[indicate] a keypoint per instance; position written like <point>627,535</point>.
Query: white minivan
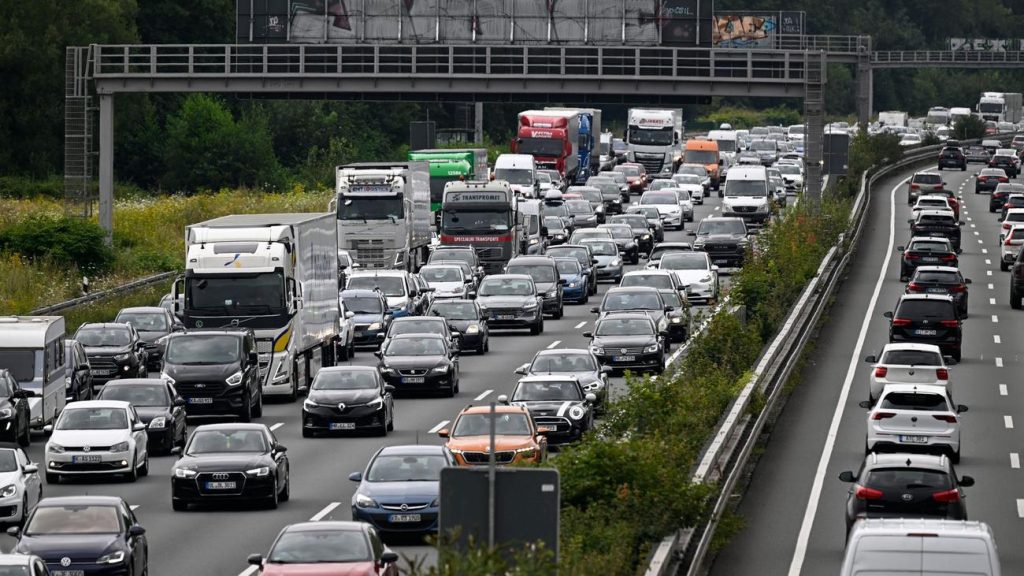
<point>747,195</point>
<point>520,172</point>
<point>920,547</point>
<point>32,348</point>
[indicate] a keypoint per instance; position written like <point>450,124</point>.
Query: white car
<point>446,280</point>
<point>346,332</point>
<point>1013,217</point>
<point>96,437</point>
<point>909,140</point>
<point>907,364</point>
<point>20,486</point>
<point>1012,242</point>
<point>1009,152</point>
<point>915,416</point>
<point>685,193</point>
<point>930,202</point>
<point>691,183</point>
<point>26,564</point>
<point>668,206</point>
<point>792,174</point>
<point>695,272</point>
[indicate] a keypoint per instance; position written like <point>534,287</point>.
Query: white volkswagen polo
<point>97,437</point>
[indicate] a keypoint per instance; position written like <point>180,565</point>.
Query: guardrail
<point>103,294</point>
<point>726,456</point>
<point>905,58</point>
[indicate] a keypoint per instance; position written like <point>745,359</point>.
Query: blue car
<point>371,316</point>
<point>576,288</point>
<point>400,490</point>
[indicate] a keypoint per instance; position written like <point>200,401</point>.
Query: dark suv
<point>215,371</point>
<point>937,223</point>
<point>1006,162</point>
<point>114,351</point>
<point>952,158</point>
<point>724,239</point>
<point>925,251</point>
<point>927,319</point>
<point>1001,193</point>
<point>545,277</point>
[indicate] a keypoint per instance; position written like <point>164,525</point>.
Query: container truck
<point>447,164</point>
<point>276,274</point>
<point>552,137</point>
<point>654,139</point>
<point>383,211</point>
<point>589,141</point>
<point>483,215</point>
<point>1000,106</point>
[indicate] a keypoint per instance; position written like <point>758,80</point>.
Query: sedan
<point>468,320</point>
<point>96,437</point>
<point>15,414</point>
<point>327,549</point>
<point>158,406</point>
<point>22,487</point>
<point>696,274</point>
<point>512,301</point>
<point>908,364</point>
<point>643,233</point>
<point>576,362</point>
<point>988,179</point>
<point>628,340</point>
<point>231,463</point>
<point>1002,193</point>
<point>585,258</point>
<point>608,262</point>
<point>446,280</point>
<point>346,398</point>
<point>420,325</point>
<point>152,323</point>
<point>912,418</point>
<point>400,490</point>
<point>653,217</point>
<point>420,362</point>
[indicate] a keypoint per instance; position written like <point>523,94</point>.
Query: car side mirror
<point>136,530</point>
<point>593,261</point>
<point>377,353</point>
<point>669,308</point>
<point>901,248</point>
<point>588,334</point>
<point>595,310</point>
<point>714,268</point>
<point>961,408</point>
<point>30,468</point>
<point>967,281</point>
<point>691,233</point>
<point>443,433</point>
<point>255,559</point>
<point>887,315</point>
<point>48,429</point>
<point>281,448</point>
<point>350,314</point>
<point>356,476</point>
<point>138,427</point>
<point>591,397</point>
<point>967,481</point>
<point>388,557</point>
<point>864,404</point>
<point>14,531</point>
<point>949,360</point>
<point>847,476</point>
<point>606,369</point>
<point>522,369</point>
<point>179,401</point>
<point>871,359</point>
<point>19,394</point>
<point>380,336</point>
<point>563,282</point>
<point>910,220</point>
<point>389,388</point>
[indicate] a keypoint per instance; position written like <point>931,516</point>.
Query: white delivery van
<point>32,348</point>
<point>920,547</point>
<point>519,171</point>
<point>747,194</point>
<point>728,143</point>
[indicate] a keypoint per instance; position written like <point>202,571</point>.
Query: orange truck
<point>705,153</point>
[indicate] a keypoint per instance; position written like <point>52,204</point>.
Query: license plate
<point>343,426</point>
<point>200,400</point>
<point>623,358</point>
<point>937,290</point>
<point>359,334</point>
<point>506,317</point>
<point>925,332</point>
<point>397,518</point>
<point>68,573</point>
<point>413,380</point>
<point>929,259</point>
<point>221,485</point>
<point>914,439</point>
<point>719,261</point>
<point>85,459</point>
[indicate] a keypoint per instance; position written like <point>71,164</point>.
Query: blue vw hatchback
<point>400,489</point>
<point>575,289</point>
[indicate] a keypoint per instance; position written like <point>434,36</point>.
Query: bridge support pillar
<point>814,124</point>
<point>106,167</point>
<point>478,123</point>
<point>865,92</point>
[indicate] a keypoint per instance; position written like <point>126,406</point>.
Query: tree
<point>968,127</point>
<point>186,21</point>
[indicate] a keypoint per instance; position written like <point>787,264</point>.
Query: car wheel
<point>258,410</point>
<point>558,314</point>
<point>245,413</point>
<point>144,469</point>
<point>343,353</point>
<point>273,500</point>
<point>1003,266</point>
<point>52,478</point>
<point>133,475</point>
<point>391,420</point>
<point>294,381</point>
<point>286,492</point>
<point>307,433</point>
<point>178,505</point>
<point>954,457</point>
<point>867,449</point>
<point>1014,299</point>
<point>535,329</point>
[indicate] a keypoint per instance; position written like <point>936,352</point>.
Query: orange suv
<point>517,438</point>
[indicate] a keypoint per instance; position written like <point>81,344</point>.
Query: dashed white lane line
<point>1020,507</point>
<point>984,250</point>
<point>980,241</point>
<point>554,344</point>
<point>992,301</point>
<point>483,395</point>
<point>997,339</point>
<point>968,218</point>
<point>323,513</point>
<point>440,425</point>
<point>988,272</point>
<point>988,261</point>
<point>716,208</point>
<point>1008,421</point>
<point>1002,390</point>
<point>580,325</point>
<point>976,233</point>
<point>995,319</point>
<point>973,226</point>
<point>999,361</point>
<point>991,286</point>
<point>249,571</point>
<point>1014,460</point>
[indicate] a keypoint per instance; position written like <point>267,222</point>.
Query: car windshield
<point>914,401</point>
<point>628,170</point>
<point>659,252</point>
<point>579,207</point>
<point>763,145</point>
<point>699,171</point>
<point>98,337</point>
<point>568,252</point>
<point>411,468</point>
<point>320,547</point>
<point>659,198</point>
<point>591,195</point>
<point>361,208</point>
<point>216,441</point>
<point>558,363</point>
<point>660,281</point>
<point>1014,217</point>
<point>559,210</point>
<point>467,256</point>
<point>789,169</point>
<point>625,327</point>
<point>454,310</point>
<point>621,232</point>
<point>506,423</point>
<point>687,179</point>
<point>138,395</point>
<point>566,266</point>
<point>936,219</point>
<point>465,220</point>
<point>671,298</point>
<point>745,188</point>
<point>602,248</point>
<point>720,227</point>
<point>546,391</point>
<point>390,285</point>
<point>71,519</point>
<point>416,325</point>
<point>912,358</point>
<point>539,272</point>
<point>609,189</point>
<point>519,176</point>
<point>201,349</point>
<point>8,460</point>
<point>441,274</point>
<point>363,305</point>
<point>145,321</point>
<point>927,246</point>
<point>554,223</point>
<point>685,261</point>
<point>629,300</point>
<point>345,379</point>
<point>701,157</point>
<point>93,418</point>
<point>682,195</point>
<point>505,287</point>
<point>415,347</point>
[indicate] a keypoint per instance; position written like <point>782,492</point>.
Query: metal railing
<point>104,294</point>
<point>907,58</point>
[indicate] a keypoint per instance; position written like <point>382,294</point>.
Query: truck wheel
<point>294,382</point>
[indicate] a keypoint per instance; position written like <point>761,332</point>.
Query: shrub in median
<point>63,239</point>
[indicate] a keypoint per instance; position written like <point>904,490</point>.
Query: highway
<point>794,507</point>
<point>217,541</point>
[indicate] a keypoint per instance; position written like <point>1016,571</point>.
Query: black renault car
<point>937,223</point>
<point>348,398</point>
<point>558,403</point>
<point>85,535</point>
<point>926,251</point>
<point>158,406</point>
<point>231,463</point>
<point>724,239</point>
<point>467,318</point>
<point>927,319</point>
<point>420,362</point>
<point>371,316</point>
<point>511,301</point>
<point>114,351</point>
<point>628,340</point>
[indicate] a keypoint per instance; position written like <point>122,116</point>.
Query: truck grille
<point>651,163</point>
<point>489,253</point>
<point>371,253</point>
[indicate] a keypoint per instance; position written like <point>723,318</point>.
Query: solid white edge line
<point>580,325</point>
<point>440,425</point>
<point>837,417</point>
<point>1002,390</point>
<point>1008,421</point>
<point>1014,460</point>
<point>554,344</point>
<point>249,571</point>
<point>276,426</point>
<point>323,513</point>
<point>485,394</point>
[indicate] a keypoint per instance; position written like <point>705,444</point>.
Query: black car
<point>724,239</point>
<point>582,213</point>
<point>952,158</point>
<point>1017,281</point>
<point>1006,162</point>
<point>15,414</point>
<point>545,276</point>
<point>662,248</point>
<point>511,301</point>
<point>87,535</point>
<point>420,362</point>
<point>152,323</point>
<point>988,179</point>
<point>654,221</point>
<point>467,318</point>
<point>347,398</point>
<point>926,251</point>
<point>215,371</point>
<point>1001,194</point>
<point>637,299</point>
<point>927,319</point>
<point>628,340</point>
<point>622,235</point>
<point>158,406</point>
<point>941,280</point>
<point>585,257</point>
<point>905,486</point>
<point>558,403</point>
<point>78,382</point>
<point>643,234</point>
<point>610,192</point>
<point>371,316</point>
<point>231,463</point>
<point>114,351</point>
<point>937,223</point>
<point>422,325</point>
<point>559,230</point>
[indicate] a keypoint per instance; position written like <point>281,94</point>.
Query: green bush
<point>968,128</point>
<point>22,187</point>
<point>63,239</point>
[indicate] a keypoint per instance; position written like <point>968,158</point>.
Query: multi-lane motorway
<point>217,541</point>
<point>795,505</point>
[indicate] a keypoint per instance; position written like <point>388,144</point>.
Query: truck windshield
<point>203,349</point>
<point>701,157</point>
<point>21,363</point>
<point>370,208</point>
<point>236,294</point>
<point>539,146</point>
<point>650,137</point>
<point>991,108</point>
<point>745,188</point>
<point>474,220</point>
<point>726,145</point>
<point>520,176</point>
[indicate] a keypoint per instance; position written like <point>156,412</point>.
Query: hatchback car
<point>152,323</point>
<point>370,316</point>
<point>927,319</point>
<point>400,489</point>
<point>558,403</point>
<point>952,158</point>
<point>511,301</point>
<point>937,223</point>
<point>914,418</point>
<point>576,362</point>
<point>608,264</point>
<point>23,488</point>
<point>926,251</point>
<point>159,407</point>
<point>653,218</point>
<point>1013,239</point>
<point>1012,217</point>
<point>348,398</point>
<point>1002,192</point>
<point>582,254</point>
<point>420,362</point>
<point>643,233</point>
<point>447,281</point>
<point>15,413</point>
<point>97,437</point>
<point>696,274</point>
<point>622,235</point>
<point>1006,162</point>
<point>78,381</point>
<point>576,287</point>
<point>468,319</point>
<point>115,350</point>
<point>977,154</point>
<point>546,279</point>
<point>923,183</point>
<point>326,549</point>
<point>908,364</point>
<point>941,280</point>
<point>432,324</point>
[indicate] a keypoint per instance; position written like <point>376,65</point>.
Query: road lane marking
<point>580,325</point>
<point>996,339</point>
<point>995,319</point>
<point>485,394</point>
<point>988,262</point>
<point>440,425</point>
<point>984,250</point>
<point>1020,507</point>
<point>807,524</point>
<point>988,272</point>
<point>554,344</point>
<point>992,301</point>
<point>973,226</point>
<point>1014,460</point>
<point>999,362</point>
<point>968,218</point>
<point>1008,421</point>
<point>976,233</point>
<point>323,513</point>
<point>276,426</point>
<point>1002,390</point>
<point>980,242</point>
<point>991,286</point>
<point>249,571</point>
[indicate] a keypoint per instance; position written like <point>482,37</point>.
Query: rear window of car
<point>951,153</point>
<point>1017,234</point>
<point>936,219</point>
<point>929,247</point>
<point>1002,159</point>
<point>914,401</point>
<point>927,178</point>
<point>921,309</point>
<point>903,479</point>
<point>930,276</point>
<point>912,358</point>
<point>1015,217</point>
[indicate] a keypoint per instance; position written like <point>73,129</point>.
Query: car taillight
<point>947,496</point>
<point>881,371</point>
<point>1008,241</point>
<point>915,287</point>
<point>942,374</point>
<point>1006,225</point>
<point>949,323</point>
<point>982,178</point>
<point>1003,179</point>
<point>945,418</point>
<point>883,415</point>
<point>914,187</point>
<point>865,493</point>
<point>958,288</point>
<point>901,321</point>
<point>912,256</point>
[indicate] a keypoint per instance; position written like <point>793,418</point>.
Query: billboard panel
<point>569,21</point>
<point>744,31</point>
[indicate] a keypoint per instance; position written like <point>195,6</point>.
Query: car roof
<point>408,319</point>
<point>86,500</point>
<point>530,260</point>
<point>145,309</point>
<point>923,388</point>
<point>901,460</point>
<point>934,213</point>
<point>943,297</point>
<point>342,525</point>
<point>231,426</point>
<point>411,450</point>
<point>912,346</point>
<point>619,289</point>
<point>654,272</point>
<point>359,292</point>
<point>394,273</point>
<point>135,382</point>
<point>549,378</point>
<point>419,335</point>
<point>509,277</point>
<point>98,404</point>
<point>554,351</point>
<point>104,325</point>
<point>347,368</point>
<point>504,408</point>
<point>950,269</point>
<point>929,239</point>
<point>916,526</point>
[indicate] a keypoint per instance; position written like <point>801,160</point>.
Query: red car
<point>327,549</point>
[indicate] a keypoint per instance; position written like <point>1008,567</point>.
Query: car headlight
<point>559,236</point>
<point>119,447</point>
<point>375,404</point>
<point>185,473</point>
<point>364,501</point>
<point>645,237</point>
<point>534,241</point>
<point>677,320</point>
<point>443,369</point>
<point>530,305</point>
<point>6,412</point>
<point>258,472</point>
<point>662,324</point>
<point>166,378</point>
<point>55,448</point>
<point>309,404</point>
<point>387,370</point>
<point>122,357</point>
<point>158,422</point>
<point>473,329</point>
<point>577,412</point>
<point>435,503</point>
<point>235,379</point>
<point>597,350</point>
<point>651,348</point>
<point>530,452</point>
<point>112,558</point>
<point>551,293</point>
<point>67,382</point>
<point>374,326</point>
<point>574,284</point>
<point>616,262</point>
<point>8,491</point>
